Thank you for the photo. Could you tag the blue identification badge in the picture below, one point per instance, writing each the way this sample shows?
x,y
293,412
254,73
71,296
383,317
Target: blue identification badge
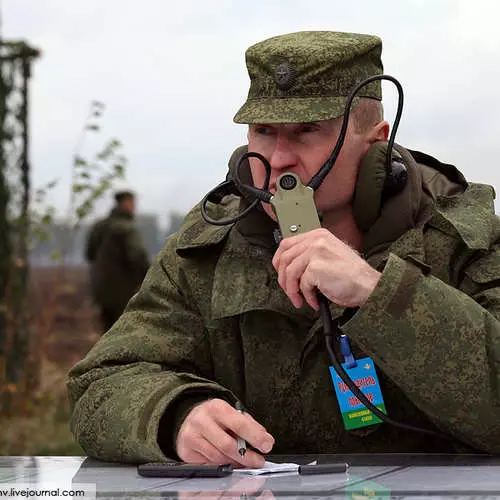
x,y
363,374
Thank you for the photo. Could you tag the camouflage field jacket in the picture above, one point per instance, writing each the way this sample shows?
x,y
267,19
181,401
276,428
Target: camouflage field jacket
x,y
118,260
210,320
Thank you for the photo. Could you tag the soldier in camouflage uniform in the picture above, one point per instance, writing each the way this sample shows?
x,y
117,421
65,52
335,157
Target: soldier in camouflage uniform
x,y
117,257
224,315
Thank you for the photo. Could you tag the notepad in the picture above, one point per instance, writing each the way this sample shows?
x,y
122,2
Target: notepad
x,y
270,468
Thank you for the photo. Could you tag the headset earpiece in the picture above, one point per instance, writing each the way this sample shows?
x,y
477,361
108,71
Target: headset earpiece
x,y
396,178
376,183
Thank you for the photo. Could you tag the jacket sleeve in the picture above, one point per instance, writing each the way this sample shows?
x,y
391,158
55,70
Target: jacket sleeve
x,y
153,357
135,253
92,244
440,344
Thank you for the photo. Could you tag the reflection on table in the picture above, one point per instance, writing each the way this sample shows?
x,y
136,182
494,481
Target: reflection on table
x,y
370,476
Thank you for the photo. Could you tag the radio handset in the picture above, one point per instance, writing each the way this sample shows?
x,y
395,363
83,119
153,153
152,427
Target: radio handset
x,y
293,204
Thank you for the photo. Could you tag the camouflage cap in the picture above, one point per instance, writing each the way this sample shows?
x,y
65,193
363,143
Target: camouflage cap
x,y
306,76
123,195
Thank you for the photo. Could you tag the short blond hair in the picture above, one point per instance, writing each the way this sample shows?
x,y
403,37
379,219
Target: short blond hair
x,y
367,114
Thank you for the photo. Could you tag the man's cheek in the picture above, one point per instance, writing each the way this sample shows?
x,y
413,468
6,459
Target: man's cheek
x,y
258,173
269,210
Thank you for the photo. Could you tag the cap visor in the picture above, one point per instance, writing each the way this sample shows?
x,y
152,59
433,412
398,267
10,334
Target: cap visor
x,y
292,109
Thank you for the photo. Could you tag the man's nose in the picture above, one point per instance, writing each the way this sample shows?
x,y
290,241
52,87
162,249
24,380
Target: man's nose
x,y
283,155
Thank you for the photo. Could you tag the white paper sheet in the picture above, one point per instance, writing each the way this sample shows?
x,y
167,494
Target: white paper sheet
x,y
271,468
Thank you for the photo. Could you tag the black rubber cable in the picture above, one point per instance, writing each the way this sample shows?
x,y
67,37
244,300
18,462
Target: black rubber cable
x,y
262,195
328,330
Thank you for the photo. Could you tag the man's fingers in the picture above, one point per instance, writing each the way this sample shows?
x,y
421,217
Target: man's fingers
x,y
309,289
218,437
284,245
289,279
212,454
216,434
195,458
210,431
283,257
246,427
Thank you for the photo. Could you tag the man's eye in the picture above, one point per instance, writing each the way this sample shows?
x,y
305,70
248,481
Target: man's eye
x,y
263,130
306,129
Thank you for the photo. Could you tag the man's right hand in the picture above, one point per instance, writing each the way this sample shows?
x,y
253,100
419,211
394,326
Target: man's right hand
x,y
208,436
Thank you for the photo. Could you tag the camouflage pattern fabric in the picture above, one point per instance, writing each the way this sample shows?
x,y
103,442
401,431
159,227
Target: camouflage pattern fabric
x,y
210,320
306,76
118,260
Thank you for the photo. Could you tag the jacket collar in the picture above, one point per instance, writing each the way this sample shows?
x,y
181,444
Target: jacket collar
x,y
195,233
245,280
118,213
468,216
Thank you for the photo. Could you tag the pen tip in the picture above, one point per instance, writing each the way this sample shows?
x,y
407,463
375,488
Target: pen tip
x,y
242,451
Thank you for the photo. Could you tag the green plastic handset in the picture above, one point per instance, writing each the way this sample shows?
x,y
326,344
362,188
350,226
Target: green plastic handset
x,y
293,204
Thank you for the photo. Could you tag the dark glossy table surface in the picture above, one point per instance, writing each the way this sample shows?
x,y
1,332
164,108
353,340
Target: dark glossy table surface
x,y
369,476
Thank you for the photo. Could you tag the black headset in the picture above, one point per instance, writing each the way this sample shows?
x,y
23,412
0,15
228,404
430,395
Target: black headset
x,y
382,173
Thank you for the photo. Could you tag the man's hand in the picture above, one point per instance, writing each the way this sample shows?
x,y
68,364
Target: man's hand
x,y
208,436
319,261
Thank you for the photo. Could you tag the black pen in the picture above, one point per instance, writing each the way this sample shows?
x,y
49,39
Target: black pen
x,y
242,445
308,470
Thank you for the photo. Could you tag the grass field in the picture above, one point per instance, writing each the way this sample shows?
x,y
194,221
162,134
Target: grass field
x,y
66,326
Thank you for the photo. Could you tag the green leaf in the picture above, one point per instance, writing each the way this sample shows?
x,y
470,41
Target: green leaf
x,y
78,188
79,161
104,154
55,255
119,169
81,212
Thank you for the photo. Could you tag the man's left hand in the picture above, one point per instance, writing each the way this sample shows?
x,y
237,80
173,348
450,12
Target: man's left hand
x,y
319,261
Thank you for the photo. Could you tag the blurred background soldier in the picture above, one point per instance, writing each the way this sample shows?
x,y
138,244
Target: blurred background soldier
x,y
117,257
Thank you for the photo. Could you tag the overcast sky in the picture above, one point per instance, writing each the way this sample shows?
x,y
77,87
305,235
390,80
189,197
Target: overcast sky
x,y
172,76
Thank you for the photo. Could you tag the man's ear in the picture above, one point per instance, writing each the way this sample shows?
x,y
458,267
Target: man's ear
x,y
380,132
